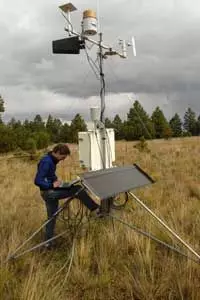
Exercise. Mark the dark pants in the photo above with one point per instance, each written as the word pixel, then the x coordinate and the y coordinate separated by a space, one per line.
pixel 52 198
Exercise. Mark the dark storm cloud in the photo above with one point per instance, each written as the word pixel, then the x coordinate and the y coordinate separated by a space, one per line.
pixel 167 62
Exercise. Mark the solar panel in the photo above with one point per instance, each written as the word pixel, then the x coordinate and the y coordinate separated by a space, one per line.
pixel 107 183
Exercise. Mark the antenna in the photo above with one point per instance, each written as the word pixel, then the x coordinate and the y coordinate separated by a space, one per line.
pixel 98 17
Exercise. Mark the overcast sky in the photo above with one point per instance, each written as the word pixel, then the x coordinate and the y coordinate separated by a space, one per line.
pixel 165 71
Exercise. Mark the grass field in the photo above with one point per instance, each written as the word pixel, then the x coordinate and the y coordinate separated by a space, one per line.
pixel 107 260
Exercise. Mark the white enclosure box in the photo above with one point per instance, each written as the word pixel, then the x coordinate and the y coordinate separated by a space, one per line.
pixel 91 149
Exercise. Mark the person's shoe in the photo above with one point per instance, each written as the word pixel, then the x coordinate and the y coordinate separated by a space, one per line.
pixel 49 245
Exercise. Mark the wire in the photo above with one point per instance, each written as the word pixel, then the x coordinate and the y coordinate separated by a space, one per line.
pixel 100 151
pixel 90 152
pixel 70 264
pixel 92 64
pixel 102 94
pixel 103 86
pixel 90 58
pixel 109 147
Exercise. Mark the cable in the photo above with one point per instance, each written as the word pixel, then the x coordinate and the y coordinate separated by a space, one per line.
pixel 100 150
pixel 109 149
pixel 90 152
pixel 90 58
pixel 71 260
pixel 90 61
pixel 75 219
pixel 102 94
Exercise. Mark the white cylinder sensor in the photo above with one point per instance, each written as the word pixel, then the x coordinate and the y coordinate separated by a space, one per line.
pixel 89 22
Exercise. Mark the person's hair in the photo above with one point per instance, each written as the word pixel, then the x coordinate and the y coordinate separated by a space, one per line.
pixel 63 149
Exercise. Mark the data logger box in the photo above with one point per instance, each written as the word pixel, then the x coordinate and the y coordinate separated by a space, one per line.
pixel 91 149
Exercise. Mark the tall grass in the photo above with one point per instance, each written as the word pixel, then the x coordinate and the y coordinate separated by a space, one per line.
pixel 108 260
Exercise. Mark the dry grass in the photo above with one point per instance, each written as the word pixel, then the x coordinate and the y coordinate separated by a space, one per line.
pixel 109 262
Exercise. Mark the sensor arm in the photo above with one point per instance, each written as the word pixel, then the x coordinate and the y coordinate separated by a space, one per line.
pixel 111 52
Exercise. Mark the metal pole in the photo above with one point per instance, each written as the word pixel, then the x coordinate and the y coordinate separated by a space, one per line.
pixel 102 119
pixel 102 96
pixel 165 225
pixel 69 22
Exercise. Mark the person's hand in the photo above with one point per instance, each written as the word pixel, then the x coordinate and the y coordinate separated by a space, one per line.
pixel 57 183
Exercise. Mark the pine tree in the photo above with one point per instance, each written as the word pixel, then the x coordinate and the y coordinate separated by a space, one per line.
pixel 14 124
pixel 118 127
pixel 160 123
pixel 77 124
pixel 2 108
pixel 176 125
pixel 7 140
pixel 138 123
pixel 49 126
pixel 108 123
pixel 38 124
pixel 190 122
pixel 198 125
pixel 42 139
pixel 65 133
pixel 26 125
pixel 57 126
pixel 54 127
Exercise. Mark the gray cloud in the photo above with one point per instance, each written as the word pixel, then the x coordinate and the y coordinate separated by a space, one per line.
pixel 166 67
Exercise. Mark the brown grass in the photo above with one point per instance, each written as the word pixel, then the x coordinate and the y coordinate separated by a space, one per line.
pixel 109 262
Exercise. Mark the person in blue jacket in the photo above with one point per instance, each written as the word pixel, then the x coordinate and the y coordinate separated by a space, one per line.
pixel 49 184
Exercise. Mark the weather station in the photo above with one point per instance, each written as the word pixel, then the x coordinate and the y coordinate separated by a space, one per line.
pixel 97 146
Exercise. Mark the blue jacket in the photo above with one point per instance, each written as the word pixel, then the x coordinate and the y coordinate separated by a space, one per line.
pixel 45 175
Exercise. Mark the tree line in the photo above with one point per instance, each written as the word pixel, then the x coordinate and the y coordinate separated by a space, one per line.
pixel 37 134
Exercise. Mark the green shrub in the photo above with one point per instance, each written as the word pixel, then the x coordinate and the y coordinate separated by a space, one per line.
pixel 30 145
pixel 7 139
pixel 42 139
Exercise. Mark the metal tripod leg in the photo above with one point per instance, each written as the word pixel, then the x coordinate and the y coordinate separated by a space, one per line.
pixel 106 205
pixel 165 225
pixel 44 224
